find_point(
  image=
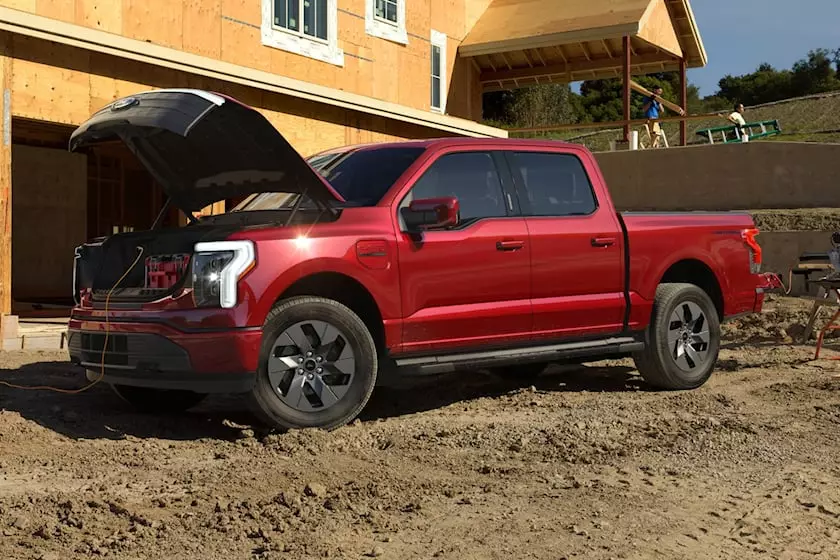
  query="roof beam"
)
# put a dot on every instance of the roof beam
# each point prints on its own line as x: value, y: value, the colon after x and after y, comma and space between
x: 564, y: 69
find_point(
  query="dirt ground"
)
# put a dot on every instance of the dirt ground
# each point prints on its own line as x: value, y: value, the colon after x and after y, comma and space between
x: 805, y: 219
x: 589, y: 463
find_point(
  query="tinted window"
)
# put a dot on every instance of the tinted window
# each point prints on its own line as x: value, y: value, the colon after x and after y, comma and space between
x: 471, y: 177
x: 555, y: 184
x: 361, y: 177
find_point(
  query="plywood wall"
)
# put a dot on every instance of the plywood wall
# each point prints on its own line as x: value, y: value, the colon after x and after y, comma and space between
x: 48, y: 187
x: 84, y: 82
x: 229, y: 30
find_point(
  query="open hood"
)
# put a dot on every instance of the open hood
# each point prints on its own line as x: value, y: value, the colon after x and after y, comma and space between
x: 203, y: 147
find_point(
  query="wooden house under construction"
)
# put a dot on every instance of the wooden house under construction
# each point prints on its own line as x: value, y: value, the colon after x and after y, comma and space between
x: 324, y: 72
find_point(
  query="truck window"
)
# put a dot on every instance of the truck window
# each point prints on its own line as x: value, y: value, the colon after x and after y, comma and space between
x: 362, y: 177
x: 555, y: 184
x: 471, y: 177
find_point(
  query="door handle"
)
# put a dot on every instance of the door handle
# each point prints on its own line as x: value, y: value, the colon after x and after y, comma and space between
x: 509, y: 245
x: 603, y: 241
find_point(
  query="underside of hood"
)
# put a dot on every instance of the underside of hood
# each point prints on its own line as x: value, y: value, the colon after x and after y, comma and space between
x: 203, y: 147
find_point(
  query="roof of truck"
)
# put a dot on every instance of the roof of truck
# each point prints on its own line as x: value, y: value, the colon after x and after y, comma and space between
x: 447, y: 142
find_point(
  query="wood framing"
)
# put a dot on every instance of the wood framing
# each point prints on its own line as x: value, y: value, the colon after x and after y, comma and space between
x: 5, y: 176
x: 684, y: 101
x: 97, y: 41
x: 626, y: 83
x: 520, y: 43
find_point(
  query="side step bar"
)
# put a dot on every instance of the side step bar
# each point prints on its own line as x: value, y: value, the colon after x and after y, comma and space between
x: 554, y: 352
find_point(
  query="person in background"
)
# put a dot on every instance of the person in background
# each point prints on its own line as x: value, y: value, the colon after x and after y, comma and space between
x: 653, y: 111
x: 736, y: 117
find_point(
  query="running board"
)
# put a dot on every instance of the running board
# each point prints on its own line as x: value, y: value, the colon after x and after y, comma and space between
x: 554, y: 352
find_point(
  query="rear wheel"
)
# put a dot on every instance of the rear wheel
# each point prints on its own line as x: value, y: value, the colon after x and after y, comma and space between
x: 317, y: 367
x: 683, y: 338
x: 146, y: 399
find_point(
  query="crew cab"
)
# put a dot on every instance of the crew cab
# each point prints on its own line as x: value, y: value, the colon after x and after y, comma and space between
x: 415, y: 257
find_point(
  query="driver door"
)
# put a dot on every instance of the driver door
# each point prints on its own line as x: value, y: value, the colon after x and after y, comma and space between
x: 470, y: 284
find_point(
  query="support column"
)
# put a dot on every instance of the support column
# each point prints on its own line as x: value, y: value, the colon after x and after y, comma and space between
x: 625, y: 85
x: 683, y: 101
x: 5, y: 184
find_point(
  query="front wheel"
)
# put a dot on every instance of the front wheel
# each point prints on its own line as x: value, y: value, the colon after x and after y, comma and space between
x: 682, y: 340
x: 317, y: 367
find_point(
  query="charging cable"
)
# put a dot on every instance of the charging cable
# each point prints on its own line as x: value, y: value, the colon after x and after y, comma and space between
x: 104, y: 344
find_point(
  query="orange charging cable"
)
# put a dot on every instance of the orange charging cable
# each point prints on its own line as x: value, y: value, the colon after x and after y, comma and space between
x: 104, y: 345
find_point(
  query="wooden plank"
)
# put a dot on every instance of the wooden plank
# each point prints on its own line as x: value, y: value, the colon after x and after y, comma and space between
x: 530, y: 21
x: 50, y: 82
x: 626, y: 83
x: 684, y: 101
x: 64, y: 10
x: 657, y: 29
x: 5, y: 175
x: 564, y: 69
x: 646, y: 92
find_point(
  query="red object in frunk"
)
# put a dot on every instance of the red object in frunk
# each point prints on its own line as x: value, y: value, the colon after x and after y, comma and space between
x: 163, y: 271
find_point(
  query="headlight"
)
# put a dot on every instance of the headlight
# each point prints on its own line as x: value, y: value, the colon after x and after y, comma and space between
x: 216, y: 269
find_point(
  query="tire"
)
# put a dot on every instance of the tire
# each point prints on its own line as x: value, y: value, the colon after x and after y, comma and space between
x: 666, y: 363
x: 523, y: 373
x: 164, y: 401
x: 304, y: 381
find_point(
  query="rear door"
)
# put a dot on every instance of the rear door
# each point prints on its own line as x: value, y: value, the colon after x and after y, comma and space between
x: 468, y: 285
x: 576, y: 245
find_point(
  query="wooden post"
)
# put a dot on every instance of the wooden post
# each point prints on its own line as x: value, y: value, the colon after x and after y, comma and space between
x: 626, y: 85
x: 683, y: 101
x: 5, y: 178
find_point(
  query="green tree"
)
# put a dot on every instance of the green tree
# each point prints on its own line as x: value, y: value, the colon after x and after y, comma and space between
x: 541, y: 105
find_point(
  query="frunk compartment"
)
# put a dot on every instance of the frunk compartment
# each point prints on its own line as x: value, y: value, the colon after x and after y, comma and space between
x: 160, y: 259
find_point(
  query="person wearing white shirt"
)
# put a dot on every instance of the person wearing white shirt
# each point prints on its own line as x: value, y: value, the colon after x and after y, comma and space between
x: 737, y: 116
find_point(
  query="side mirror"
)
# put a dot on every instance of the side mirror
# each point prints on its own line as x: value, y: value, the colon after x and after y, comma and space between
x: 431, y: 213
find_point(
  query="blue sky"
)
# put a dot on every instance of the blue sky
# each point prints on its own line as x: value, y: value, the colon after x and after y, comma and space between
x: 741, y: 34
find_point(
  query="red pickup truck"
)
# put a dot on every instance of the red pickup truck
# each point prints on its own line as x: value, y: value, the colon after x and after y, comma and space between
x: 417, y: 257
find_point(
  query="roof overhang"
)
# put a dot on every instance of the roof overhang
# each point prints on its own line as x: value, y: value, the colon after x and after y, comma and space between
x: 518, y: 43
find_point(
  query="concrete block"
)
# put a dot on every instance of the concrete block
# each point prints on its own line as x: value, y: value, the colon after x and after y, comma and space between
x: 11, y: 344
x: 8, y: 326
x: 43, y: 342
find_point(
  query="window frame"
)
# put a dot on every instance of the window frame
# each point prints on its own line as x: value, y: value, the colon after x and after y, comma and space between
x: 522, y: 189
x: 438, y: 39
x: 510, y: 200
x: 384, y: 28
x: 298, y: 42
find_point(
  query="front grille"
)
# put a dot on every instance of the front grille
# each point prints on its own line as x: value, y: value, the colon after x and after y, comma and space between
x: 140, y: 351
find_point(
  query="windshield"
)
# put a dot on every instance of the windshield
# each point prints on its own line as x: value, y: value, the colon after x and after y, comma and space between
x: 361, y: 177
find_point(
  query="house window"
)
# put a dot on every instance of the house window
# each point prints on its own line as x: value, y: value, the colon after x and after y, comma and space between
x: 386, y: 10
x: 287, y: 16
x: 438, y: 66
x: 386, y: 19
x: 304, y: 27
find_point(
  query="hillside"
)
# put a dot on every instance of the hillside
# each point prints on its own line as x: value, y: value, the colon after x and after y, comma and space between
x: 815, y: 118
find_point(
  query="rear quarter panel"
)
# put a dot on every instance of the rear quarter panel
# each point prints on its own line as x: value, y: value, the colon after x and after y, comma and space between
x: 658, y: 241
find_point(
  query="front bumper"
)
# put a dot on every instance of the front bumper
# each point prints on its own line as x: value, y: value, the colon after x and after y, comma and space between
x: 158, y: 356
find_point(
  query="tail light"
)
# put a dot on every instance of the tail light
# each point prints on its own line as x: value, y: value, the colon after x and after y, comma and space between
x: 749, y: 235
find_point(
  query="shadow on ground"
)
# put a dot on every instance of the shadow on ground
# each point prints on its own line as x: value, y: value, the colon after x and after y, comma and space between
x: 98, y: 413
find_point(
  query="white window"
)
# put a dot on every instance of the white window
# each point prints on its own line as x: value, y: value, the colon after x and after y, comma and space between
x: 438, y: 64
x: 304, y: 27
x: 386, y: 19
